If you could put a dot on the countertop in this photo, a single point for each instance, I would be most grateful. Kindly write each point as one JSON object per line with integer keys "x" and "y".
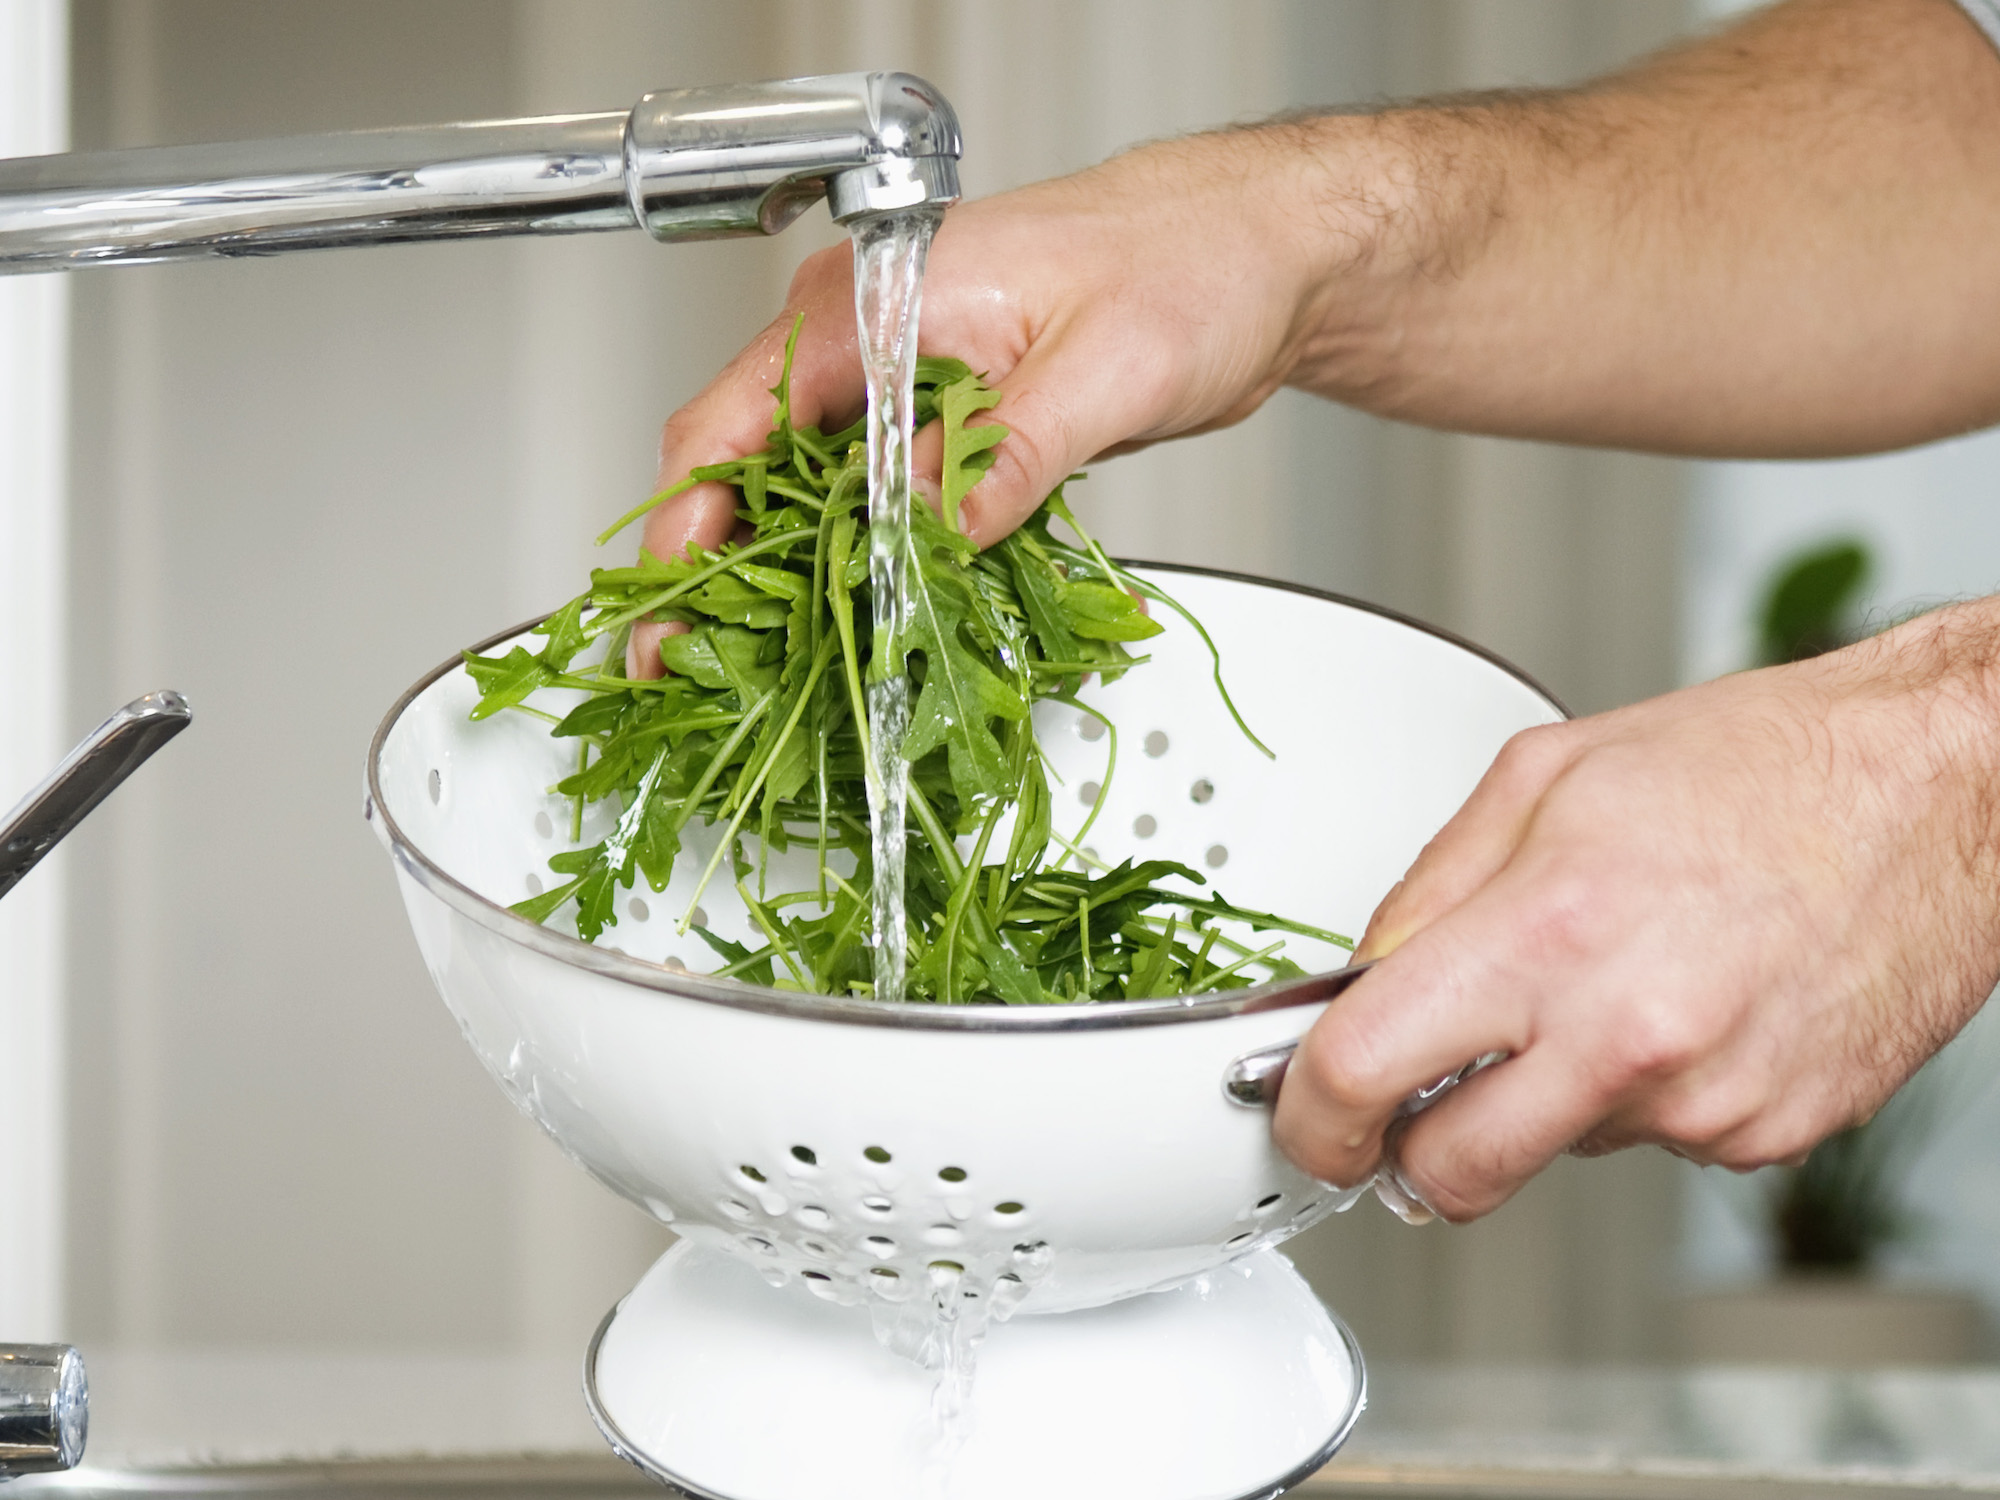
{"x": 1430, "y": 1430}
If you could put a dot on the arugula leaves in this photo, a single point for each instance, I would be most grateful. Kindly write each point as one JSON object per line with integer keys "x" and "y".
{"x": 759, "y": 731}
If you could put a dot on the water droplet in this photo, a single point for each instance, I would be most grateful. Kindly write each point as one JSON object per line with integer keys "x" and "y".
{"x": 888, "y": 1286}
{"x": 664, "y": 1212}
{"x": 775, "y": 1276}
{"x": 1009, "y": 1291}
{"x": 1033, "y": 1257}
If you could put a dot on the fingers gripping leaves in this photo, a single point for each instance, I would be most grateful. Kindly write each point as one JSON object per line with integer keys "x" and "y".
{"x": 760, "y": 731}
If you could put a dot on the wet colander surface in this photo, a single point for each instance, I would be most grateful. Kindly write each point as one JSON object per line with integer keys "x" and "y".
{"x": 1044, "y": 1158}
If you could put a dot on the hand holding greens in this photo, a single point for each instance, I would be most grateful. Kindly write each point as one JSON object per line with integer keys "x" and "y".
{"x": 761, "y": 726}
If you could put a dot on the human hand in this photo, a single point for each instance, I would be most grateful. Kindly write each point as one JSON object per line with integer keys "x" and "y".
{"x": 1730, "y": 921}
{"x": 1155, "y": 295}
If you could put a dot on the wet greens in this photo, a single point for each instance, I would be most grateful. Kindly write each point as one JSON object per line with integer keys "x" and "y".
{"x": 760, "y": 729}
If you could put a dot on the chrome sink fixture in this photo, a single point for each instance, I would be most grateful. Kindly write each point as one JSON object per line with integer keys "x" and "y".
{"x": 44, "y": 1408}
{"x": 683, "y": 164}
{"x": 44, "y": 1395}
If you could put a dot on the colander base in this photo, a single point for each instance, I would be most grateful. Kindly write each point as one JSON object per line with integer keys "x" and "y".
{"x": 1232, "y": 1387}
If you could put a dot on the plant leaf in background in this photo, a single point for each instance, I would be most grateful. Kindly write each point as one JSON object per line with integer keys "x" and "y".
{"x": 1809, "y": 605}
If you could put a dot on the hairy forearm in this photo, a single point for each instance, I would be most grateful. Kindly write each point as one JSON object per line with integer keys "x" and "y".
{"x": 1782, "y": 240}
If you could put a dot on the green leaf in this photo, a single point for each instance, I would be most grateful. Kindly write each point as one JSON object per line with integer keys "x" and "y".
{"x": 564, "y": 630}
{"x": 728, "y": 597}
{"x": 694, "y": 656}
{"x": 505, "y": 680}
{"x": 968, "y": 452}
{"x": 961, "y": 693}
{"x": 540, "y": 908}
{"x": 1100, "y": 612}
{"x": 600, "y": 714}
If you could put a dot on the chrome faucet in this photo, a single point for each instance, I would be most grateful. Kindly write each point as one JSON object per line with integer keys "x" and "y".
{"x": 44, "y": 1392}
{"x": 683, "y": 164}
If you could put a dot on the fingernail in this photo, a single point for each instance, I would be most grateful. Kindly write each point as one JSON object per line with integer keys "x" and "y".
{"x": 1400, "y": 1198}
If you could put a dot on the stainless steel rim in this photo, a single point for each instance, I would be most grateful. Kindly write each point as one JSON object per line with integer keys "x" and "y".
{"x": 1102, "y": 1015}
{"x": 630, "y": 1451}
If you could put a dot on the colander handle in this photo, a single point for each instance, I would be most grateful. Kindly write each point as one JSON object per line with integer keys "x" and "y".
{"x": 1253, "y": 1080}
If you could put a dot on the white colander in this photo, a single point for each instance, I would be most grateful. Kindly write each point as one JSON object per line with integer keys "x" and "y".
{"x": 1045, "y": 1158}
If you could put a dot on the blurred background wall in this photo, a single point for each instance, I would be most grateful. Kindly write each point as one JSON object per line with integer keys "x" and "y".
{"x": 297, "y": 484}
{"x": 34, "y": 118}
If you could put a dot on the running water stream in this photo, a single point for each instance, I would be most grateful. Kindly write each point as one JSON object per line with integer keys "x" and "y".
{"x": 942, "y": 1327}
{"x": 889, "y": 251}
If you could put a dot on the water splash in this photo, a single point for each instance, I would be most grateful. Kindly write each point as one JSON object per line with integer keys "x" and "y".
{"x": 889, "y": 253}
{"x": 938, "y": 1322}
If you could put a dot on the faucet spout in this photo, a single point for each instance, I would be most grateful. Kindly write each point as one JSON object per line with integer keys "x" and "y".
{"x": 696, "y": 163}
{"x": 748, "y": 159}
